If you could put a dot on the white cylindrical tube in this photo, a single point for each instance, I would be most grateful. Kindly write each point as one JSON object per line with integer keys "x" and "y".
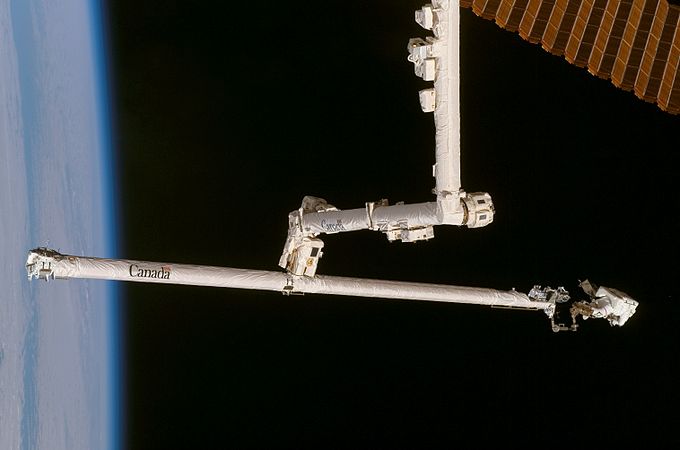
{"x": 337, "y": 221}
{"x": 411, "y": 216}
{"x": 381, "y": 218}
{"x": 358, "y": 287}
{"x": 43, "y": 263}
{"x": 447, "y": 111}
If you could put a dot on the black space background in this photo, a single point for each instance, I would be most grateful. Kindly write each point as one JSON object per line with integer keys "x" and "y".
{"x": 227, "y": 114}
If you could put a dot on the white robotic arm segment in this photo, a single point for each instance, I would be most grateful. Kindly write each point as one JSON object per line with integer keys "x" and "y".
{"x": 43, "y": 263}
{"x": 302, "y": 250}
{"x": 400, "y": 222}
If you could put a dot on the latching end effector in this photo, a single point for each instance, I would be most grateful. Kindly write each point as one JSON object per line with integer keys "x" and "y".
{"x": 40, "y": 263}
{"x": 302, "y": 251}
{"x": 302, "y": 258}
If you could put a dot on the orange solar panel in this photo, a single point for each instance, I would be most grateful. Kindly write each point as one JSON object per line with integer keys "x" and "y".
{"x": 608, "y": 38}
{"x": 582, "y": 38}
{"x": 510, "y": 13}
{"x": 535, "y": 19}
{"x": 635, "y": 43}
{"x": 655, "y": 56}
{"x": 560, "y": 25}
{"x": 627, "y": 63}
{"x": 485, "y": 8}
{"x": 669, "y": 92}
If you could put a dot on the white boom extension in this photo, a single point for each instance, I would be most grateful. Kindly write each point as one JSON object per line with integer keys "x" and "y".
{"x": 436, "y": 59}
{"x": 48, "y": 264}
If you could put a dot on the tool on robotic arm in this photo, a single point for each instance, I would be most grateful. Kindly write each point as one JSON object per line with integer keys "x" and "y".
{"x": 603, "y": 303}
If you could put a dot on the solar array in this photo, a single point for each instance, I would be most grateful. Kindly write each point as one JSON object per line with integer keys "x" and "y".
{"x": 634, "y": 43}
